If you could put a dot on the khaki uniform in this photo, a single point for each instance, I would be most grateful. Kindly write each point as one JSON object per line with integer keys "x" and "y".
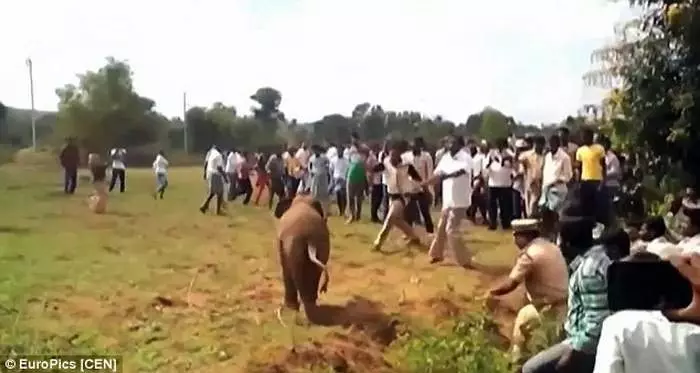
{"x": 542, "y": 269}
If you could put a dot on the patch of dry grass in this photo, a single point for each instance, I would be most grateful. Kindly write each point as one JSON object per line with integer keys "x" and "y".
{"x": 173, "y": 290}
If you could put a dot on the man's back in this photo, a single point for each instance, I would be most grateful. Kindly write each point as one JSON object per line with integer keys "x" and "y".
{"x": 647, "y": 342}
{"x": 547, "y": 281}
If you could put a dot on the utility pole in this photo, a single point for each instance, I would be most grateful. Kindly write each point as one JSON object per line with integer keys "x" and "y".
{"x": 184, "y": 121}
{"x": 31, "y": 96}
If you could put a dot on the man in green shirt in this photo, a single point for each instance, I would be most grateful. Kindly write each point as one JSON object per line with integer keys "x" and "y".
{"x": 357, "y": 181}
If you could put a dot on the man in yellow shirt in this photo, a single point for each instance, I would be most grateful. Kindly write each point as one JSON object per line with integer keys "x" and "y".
{"x": 590, "y": 160}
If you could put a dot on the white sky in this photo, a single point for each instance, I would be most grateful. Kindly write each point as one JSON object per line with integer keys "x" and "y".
{"x": 448, "y": 57}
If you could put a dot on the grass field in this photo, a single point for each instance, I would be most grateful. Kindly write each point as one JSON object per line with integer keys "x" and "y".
{"x": 172, "y": 290}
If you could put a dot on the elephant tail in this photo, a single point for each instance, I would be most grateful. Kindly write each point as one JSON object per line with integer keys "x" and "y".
{"x": 324, "y": 270}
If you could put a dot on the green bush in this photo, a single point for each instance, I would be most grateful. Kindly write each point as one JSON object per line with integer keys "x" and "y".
{"x": 548, "y": 333}
{"x": 470, "y": 346}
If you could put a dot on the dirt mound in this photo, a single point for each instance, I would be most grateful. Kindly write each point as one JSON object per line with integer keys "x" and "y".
{"x": 354, "y": 352}
{"x": 359, "y": 314}
{"x": 440, "y": 307}
{"x": 360, "y": 349}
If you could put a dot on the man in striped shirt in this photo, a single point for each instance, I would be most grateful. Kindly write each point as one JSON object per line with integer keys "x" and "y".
{"x": 588, "y": 299}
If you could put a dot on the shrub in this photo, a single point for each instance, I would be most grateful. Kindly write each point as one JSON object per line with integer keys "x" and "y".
{"x": 548, "y": 333}
{"x": 39, "y": 157}
{"x": 471, "y": 346}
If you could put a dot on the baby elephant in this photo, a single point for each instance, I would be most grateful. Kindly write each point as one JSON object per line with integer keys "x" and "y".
{"x": 303, "y": 242}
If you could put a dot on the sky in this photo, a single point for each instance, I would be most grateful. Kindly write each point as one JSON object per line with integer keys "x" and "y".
{"x": 440, "y": 57}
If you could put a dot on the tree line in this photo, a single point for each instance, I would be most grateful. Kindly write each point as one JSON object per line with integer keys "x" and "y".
{"x": 103, "y": 110}
{"x": 650, "y": 112}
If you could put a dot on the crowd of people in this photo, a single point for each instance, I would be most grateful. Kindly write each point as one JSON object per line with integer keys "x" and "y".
{"x": 574, "y": 208}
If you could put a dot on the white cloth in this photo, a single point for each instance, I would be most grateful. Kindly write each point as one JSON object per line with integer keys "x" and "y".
{"x": 214, "y": 161}
{"x": 439, "y": 153}
{"x": 499, "y": 174}
{"x": 397, "y": 179}
{"x": 232, "y": 162}
{"x": 690, "y": 245}
{"x": 647, "y": 342}
{"x": 659, "y": 246}
{"x": 332, "y": 153}
{"x": 160, "y": 165}
{"x": 456, "y": 191}
{"x": 118, "y": 155}
{"x": 423, "y": 163}
{"x": 613, "y": 171}
{"x": 383, "y": 157}
{"x": 556, "y": 167}
{"x": 339, "y": 167}
{"x": 478, "y": 164}
{"x": 302, "y": 156}
{"x": 352, "y": 154}
{"x": 206, "y": 156}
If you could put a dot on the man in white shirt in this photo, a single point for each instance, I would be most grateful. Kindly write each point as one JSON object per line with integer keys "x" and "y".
{"x": 455, "y": 173}
{"x": 557, "y": 172}
{"x": 479, "y": 189}
{"x": 332, "y": 152}
{"x": 303, "y": 155}
{"x": 654, "y": 341}
{"x": 339, "y": 170}
{"x": 232, "y": 161}
{"x": 423, "y": 163}
{"x": 216, "y": 177}
{"x": 653, "y": 240}
{"x": 499, "y": 171}
{"x": 352, "y": 152}
{"x": 118, "y": 156}
{"x": 160, "y": 167}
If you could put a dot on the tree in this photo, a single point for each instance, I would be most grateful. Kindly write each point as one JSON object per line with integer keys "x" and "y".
{"x": 654, "y": 65}
{"x": 494, "y": 125}
{"x": 3, "y": 123}
{"x": 202, "y": 131}
{"x": 103, "y": 110}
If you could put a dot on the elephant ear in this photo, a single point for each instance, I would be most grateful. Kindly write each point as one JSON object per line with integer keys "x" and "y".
{"x": 318, "y": 207}
{"x": 282, "y": 207}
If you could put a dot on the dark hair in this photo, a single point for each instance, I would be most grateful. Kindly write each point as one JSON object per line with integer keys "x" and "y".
{"x": 531, "y": 234}
{"x": 399, "y": 145}
{"x": 604, "y": 141}
{"x": 459, "y": 140}
{"x": 587, "y": 133}
{"x": 657, "y": 225}
{"x": 502, "y": 143}
{"x": 564, "y": 129}
{"x": 616, "y": 242}
{"x": 555, "y": 137}
{"x": 693, "y": 216}
{"x": 419, "y": 141}
{"x": 539, "y": 139}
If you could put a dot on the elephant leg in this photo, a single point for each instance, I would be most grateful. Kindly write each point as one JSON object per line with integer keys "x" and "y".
{"x": 308, "y": 279}
{"x": 291, "y": 299}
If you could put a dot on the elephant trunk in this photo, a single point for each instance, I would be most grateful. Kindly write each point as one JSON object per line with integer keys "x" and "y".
{"x": 324, "y": 271}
